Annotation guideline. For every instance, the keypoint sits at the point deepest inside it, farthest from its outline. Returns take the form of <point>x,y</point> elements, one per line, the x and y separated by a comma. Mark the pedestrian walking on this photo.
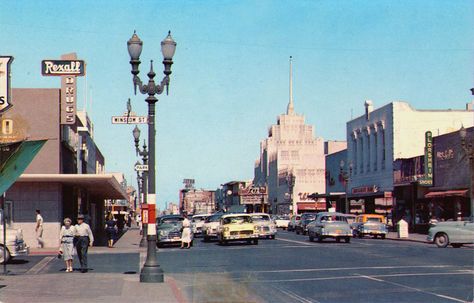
<point>66,237</point>
<point>186,234</point>
<point>39,229</point>
<point>110,230</point>
<point>85,238</point>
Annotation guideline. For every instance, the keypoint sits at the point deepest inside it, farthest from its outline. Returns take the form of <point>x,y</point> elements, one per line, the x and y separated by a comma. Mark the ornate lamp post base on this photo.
<point>151,271</point>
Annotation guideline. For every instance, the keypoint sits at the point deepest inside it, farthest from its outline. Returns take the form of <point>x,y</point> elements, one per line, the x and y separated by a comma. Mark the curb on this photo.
<point>408,240</point>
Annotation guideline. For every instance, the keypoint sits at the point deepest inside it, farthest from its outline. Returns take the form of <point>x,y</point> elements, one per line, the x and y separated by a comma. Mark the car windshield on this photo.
<point>333,218</point>
<point>213,219</point>
<point>237,220</point>
<point>172,220</point>
<point>199,219</point>
<point>376,220</point>
<point>260,218</point>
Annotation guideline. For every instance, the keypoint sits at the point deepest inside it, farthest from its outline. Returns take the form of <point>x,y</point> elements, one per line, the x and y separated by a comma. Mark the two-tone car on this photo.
<point>454,233</point>
<point>264,224</point>
<point>369,225</point>
<point>210,227</point>
<point>197,222</point>
<point>14,245</point>
<point>330,225</point>
<point>237,227</point>
<point>168,229</point>
<point>293,222</point>
<point>302,226</point>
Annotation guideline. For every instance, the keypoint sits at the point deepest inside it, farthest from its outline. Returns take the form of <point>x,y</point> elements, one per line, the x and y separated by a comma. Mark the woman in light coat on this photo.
<point>186,235</point>
<point>67,247</point>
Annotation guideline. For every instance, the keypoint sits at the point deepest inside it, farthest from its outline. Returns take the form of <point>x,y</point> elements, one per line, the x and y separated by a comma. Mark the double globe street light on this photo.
<point>151,271</point>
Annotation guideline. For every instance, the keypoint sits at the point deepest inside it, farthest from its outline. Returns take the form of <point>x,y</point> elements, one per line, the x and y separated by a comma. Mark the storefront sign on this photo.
<point>5,95</point>
<point>68,100</point>
<point>12,129</point>
<point>253,194</point>
<point>365,189</point>
<point>428,178</point>
<point>62,68</point>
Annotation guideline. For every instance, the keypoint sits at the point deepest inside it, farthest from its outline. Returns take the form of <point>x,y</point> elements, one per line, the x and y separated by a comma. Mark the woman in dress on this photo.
<point>186,234</point>
<point>67,236</point>
<point>110,230</point>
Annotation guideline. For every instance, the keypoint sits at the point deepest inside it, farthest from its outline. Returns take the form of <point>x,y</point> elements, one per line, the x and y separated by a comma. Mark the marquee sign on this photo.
<point>62,68</point>
<point>5,102</point>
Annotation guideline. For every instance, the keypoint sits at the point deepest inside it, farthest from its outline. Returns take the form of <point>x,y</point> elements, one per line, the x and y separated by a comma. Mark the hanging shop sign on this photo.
<point>63,68</point>
<point>427,180</point>
<point>5,95</point>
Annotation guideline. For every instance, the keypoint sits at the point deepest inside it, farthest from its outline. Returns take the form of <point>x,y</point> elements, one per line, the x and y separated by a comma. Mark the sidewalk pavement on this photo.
<point>91,287</point>
<point>413,237</point>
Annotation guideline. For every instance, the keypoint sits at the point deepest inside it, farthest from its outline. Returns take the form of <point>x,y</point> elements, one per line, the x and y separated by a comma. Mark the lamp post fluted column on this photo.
<point>144,154</point>
<point>151,271</point>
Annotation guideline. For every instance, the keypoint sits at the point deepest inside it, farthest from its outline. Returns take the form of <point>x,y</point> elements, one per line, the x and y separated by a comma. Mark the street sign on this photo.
<point>129,119</point>
<point>5,97</point>
<point>141,167</point>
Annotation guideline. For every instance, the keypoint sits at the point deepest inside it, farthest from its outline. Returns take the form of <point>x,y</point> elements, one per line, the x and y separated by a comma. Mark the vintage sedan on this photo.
<point>282,221</point>
<point>237,227</point>
<point>293,222</point>
<point>14,245</point>
<point>210,227</point>
<point>302,226</point>
<point>197,223</point>
<point>454,233</point>
<point>369,225</point>
<point>168,229</point>
<point>330,225</point>
<point>266,227</point>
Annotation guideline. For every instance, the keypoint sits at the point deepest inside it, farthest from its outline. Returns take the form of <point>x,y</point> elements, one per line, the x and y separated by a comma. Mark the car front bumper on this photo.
<point>19,249</point>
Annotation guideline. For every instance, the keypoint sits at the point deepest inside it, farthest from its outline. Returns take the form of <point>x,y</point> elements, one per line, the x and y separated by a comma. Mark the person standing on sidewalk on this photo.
<point>85,238</point>
<point>186,234</point>
<point>110,230</point>
<point>67,236</point>
<point>39,229</point>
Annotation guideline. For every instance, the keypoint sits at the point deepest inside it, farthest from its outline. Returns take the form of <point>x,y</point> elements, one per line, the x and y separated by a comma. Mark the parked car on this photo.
<point>329,225</point>
<point>265,226</point>
<point>369,224</point>
<point>210,226</point>
<point>14,245</point>
<point>168,229</point>
<point>237,227</point>
<point>293,221</point>
<point>282,221</point>
<point>350,218</point>
<point>302,226</point>
<point>454,233</point>
<point>197,223</point>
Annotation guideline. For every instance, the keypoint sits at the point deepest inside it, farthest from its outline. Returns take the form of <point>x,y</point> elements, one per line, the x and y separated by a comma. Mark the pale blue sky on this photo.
<point>230,77</point>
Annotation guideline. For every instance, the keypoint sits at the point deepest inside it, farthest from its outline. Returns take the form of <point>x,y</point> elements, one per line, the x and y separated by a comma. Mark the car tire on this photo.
<point>360,235</point>
<point>456,245</point>
<point>159,245</point>
<point>320,238</point>
<point>311,238</point>
<point>347,239</point>
<point>441,240</point>
<point>255,242</point>
<point>383,237</point>
<point>272,237</point>
<point>297,231</point>
<point>7,255</point>
<point>338,239</point>
<point>206,239</point>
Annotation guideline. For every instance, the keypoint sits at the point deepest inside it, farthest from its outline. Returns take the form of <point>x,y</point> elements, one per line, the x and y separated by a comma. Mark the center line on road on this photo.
<point>294,241</point>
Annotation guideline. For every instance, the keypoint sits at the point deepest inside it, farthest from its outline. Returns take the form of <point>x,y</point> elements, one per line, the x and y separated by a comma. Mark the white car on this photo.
<point>265,226</point>
<point>210,227</point>
<point>198,223</point>
<point>282,221</point>
<point>14,244</point>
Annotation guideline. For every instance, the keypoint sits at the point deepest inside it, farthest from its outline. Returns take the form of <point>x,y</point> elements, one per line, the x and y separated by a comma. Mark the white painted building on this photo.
<point>381,136</point>
<point>291,149</point>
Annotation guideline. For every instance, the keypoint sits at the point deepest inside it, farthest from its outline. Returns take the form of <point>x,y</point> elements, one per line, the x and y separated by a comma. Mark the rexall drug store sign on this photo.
<point>5,101</point>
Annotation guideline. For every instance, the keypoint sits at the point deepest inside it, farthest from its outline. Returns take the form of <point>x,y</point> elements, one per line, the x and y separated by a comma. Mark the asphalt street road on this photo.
<point>292,269</point>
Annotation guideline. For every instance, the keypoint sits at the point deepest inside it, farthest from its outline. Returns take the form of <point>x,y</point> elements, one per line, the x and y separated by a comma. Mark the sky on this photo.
<point>230,71</point>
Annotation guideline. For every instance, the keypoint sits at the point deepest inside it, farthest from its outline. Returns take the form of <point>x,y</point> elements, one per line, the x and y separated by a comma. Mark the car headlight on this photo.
<point>226,229</point>
<point>255,228</point>
<point>163,233</point>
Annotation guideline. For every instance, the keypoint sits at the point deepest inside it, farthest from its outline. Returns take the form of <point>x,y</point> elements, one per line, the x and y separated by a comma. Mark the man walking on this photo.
<point>84,239</point>
<point>39,229</point>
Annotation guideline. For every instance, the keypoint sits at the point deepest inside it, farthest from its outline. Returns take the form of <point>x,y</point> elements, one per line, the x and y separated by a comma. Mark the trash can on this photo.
<point>402,227</point>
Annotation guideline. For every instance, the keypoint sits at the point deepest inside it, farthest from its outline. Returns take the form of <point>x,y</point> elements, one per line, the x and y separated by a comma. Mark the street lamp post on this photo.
<point>144,154</point>
<point>151,271</point>
<point>346,177</point>
<point>469,150</point>
<point>290,180</point>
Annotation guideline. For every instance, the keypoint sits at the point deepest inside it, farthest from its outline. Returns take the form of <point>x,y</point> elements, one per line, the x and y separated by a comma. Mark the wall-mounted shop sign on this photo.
<point>5,102</point>
<point>428,177</point>
<point>63,68</point>
<point>365,189</point>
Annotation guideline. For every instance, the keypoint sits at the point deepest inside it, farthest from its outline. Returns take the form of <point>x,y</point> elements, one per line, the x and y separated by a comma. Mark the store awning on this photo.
<point>311,205</point>
<point>102,186</point>
<point>447,193</point>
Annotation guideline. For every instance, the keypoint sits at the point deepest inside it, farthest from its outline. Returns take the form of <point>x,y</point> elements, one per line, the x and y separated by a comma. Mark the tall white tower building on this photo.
<point>291,163</point>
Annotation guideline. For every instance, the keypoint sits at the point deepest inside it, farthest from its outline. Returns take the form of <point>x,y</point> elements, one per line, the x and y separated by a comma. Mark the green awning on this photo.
<point>17,162</point>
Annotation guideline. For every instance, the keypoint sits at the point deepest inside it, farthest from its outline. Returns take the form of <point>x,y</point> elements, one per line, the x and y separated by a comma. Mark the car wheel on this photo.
<point>206,239</point>
<point>7,255</point>
<point>320,238</point>
<point>272,237</point>
<point>360,235</point>
<point>297,232</point>
<point>375,237</point>
<point>255,242</point>
<point>456,245</point>
<point>348,239</point>
<point>441,240</point>
<point>338,240</point>
<point>311,238</point>
<point>159,245</point>
<point>305,233</point>
<point>383,236</point>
